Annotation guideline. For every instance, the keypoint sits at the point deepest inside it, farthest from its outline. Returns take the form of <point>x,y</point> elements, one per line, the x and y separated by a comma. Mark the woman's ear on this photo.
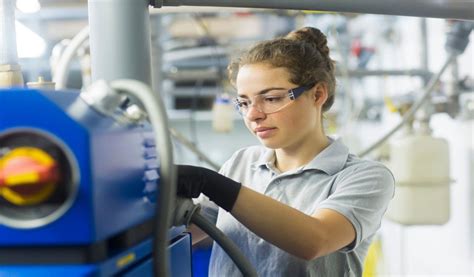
<point>320,93</point>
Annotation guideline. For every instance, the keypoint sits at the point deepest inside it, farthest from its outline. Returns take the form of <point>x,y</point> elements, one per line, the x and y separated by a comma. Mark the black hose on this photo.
<point>229,247</point>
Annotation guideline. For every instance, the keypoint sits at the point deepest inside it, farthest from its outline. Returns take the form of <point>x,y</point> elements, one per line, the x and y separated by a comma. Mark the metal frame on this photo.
<point>422,8</point>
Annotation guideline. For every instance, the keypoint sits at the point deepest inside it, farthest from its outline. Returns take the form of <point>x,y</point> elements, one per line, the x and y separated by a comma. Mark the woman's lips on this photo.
<point>264,132</point>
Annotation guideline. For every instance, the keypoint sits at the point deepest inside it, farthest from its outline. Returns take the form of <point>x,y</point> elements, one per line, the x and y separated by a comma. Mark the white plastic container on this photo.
<point>223,114</point>
<point>420,164</point>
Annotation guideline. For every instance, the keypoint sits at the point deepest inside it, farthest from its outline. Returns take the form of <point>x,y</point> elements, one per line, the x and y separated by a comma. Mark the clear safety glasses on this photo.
<point>270,102</point>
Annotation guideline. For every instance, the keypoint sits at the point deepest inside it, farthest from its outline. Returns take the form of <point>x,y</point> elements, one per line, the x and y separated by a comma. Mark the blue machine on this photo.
<point>77,190</point>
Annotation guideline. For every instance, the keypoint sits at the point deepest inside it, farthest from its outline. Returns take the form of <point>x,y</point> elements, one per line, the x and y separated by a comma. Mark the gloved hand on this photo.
<point>193,180</point>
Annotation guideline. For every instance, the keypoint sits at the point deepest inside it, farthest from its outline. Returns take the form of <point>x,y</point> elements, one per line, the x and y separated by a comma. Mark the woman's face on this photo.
<point>287,128</point>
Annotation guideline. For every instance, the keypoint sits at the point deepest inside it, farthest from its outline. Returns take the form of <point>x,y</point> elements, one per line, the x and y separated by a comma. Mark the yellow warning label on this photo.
<point>125,260</point>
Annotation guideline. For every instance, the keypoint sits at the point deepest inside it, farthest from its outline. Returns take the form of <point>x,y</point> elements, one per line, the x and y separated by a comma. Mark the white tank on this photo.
<point>420,164</point>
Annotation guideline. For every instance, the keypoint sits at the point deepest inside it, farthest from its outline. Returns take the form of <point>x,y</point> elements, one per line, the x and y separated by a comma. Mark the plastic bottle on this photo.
<point>420,164</point>
<point>223,114</point>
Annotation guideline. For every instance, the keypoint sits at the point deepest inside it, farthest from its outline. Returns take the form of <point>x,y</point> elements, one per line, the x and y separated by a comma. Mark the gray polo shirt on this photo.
<point>356,188</point>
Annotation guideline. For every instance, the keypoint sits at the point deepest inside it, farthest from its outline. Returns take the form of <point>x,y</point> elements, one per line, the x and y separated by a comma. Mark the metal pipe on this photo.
<point>357,73</point>
<point>168,175</point>
<point>120,49</point>
<point>182,10</point>
<point>157,53</point>
<point>212,74</point>
<point>424,46</point>
<point>421,8</point>
<point>411,112</point>
<point>10,70</point>
<point>8,49</point>
<point>120,40</point>
<point>61,70</point>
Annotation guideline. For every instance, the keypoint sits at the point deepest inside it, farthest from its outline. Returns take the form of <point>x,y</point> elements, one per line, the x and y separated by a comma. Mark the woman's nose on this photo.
<point>254,113</point>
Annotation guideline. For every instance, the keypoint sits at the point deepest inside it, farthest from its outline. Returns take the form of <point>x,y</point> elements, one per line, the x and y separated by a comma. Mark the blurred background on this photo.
<point>384,66</point>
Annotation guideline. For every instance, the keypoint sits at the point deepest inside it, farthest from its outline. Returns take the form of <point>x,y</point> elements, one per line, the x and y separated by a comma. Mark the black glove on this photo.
<point>193,180</point>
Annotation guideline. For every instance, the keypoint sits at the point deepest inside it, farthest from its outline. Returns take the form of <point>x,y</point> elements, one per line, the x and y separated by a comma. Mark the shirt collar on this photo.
<point>331,160</point>
<point>267,159</point>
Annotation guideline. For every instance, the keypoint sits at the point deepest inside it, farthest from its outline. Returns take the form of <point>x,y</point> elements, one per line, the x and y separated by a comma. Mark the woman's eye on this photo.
<point>242,104</point>
<point>273,98</point>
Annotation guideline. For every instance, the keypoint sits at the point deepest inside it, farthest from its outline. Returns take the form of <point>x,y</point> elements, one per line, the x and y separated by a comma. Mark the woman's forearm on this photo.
<point>289,229</point>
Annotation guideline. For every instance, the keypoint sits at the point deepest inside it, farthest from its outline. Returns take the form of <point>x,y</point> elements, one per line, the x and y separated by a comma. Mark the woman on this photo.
<point>300,205</point>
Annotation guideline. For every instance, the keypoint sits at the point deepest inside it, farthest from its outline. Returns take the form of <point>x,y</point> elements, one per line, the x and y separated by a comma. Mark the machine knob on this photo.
<point>28,176</point>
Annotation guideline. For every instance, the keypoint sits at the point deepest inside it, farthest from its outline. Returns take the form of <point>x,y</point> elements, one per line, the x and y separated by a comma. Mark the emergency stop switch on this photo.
<point>28,176</point>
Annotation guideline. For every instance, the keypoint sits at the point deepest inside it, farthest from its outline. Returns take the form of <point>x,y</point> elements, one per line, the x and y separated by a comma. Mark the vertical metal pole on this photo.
<point>157,30</point>
<point>423,114</point>
<point>424,49</point>
<point>10,70</point>
<point>120,40</point>
<point>120,49</point>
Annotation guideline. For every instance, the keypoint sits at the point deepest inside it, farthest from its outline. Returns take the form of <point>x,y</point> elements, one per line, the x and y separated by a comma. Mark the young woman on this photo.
<point>301,204</point>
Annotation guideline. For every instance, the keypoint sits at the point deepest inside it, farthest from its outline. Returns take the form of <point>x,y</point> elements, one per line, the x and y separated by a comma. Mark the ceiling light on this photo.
<point>28,6</point>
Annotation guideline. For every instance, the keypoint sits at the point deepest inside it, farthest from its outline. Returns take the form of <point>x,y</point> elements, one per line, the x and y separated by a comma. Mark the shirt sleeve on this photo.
<point>362,195</point>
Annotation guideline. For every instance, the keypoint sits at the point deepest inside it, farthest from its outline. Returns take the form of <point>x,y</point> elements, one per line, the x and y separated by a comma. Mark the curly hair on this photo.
<point>304,53</point>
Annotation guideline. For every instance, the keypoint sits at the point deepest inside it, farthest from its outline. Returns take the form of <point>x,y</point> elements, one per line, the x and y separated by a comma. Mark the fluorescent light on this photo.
<point>29,44</point>
<point>28,6</point>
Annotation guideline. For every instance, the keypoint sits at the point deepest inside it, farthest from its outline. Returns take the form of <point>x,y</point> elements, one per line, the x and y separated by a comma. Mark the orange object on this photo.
<point>28,176</point>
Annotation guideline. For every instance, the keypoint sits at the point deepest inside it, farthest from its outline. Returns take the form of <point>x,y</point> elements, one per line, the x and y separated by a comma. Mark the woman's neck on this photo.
<point>291,158</point>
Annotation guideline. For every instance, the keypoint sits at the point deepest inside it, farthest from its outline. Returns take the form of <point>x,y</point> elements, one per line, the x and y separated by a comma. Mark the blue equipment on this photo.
<point>77,190</point>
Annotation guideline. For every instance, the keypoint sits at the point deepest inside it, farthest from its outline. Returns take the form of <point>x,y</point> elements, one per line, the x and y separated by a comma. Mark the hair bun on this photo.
<point>312,36</point>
